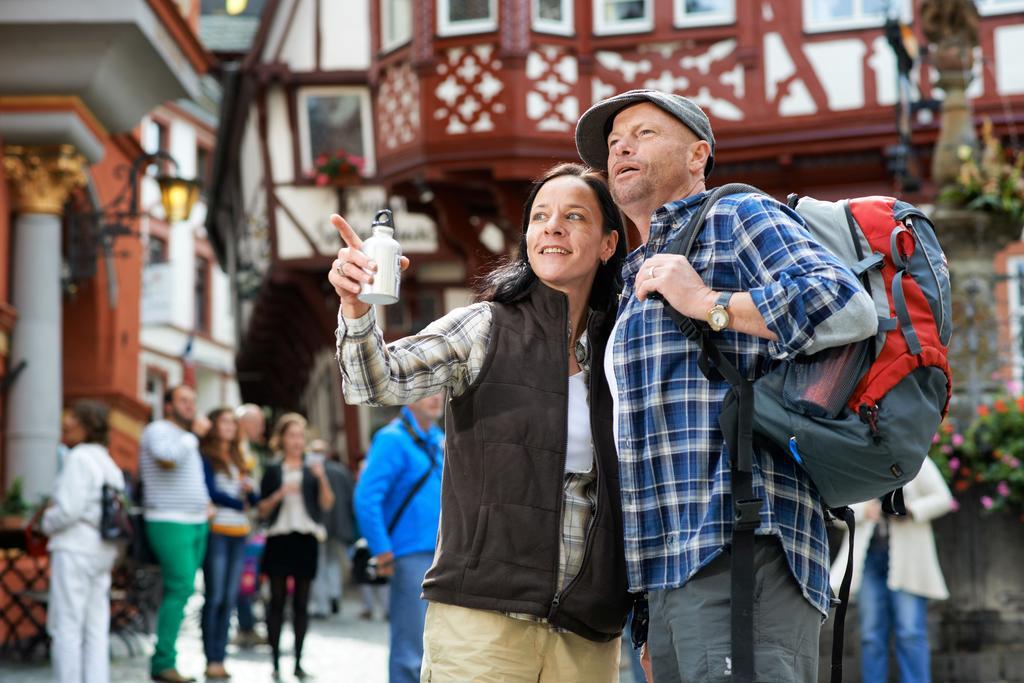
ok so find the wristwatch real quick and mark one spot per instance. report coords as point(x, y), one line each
point(718, 316)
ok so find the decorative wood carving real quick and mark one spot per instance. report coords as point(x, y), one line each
point(552, 100)
point(466, 96)
point(398, 107)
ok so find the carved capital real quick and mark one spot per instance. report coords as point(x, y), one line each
point(42, 177)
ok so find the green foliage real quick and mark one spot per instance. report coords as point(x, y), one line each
point(993, 184)
point(13, 503)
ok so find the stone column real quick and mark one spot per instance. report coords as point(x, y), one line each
point(41, 178)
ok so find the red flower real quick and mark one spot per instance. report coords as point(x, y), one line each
point(1020, 403)
point(982, 411)
point(321, 159)
point(322, 179)
point(999, 405)
point(962, 485)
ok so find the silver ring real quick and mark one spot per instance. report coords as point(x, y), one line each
point(338, 268)
point(650, 272)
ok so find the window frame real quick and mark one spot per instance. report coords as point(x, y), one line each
point(445, 27)
point(203, 323)
point(366, 118)
point(388, 43)
point(681, 19)
point(1015, 312)
point(987, 8)
point(565, 27)
point(641, 25)
point(905, 15)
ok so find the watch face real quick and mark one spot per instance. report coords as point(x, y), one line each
point(719, 319)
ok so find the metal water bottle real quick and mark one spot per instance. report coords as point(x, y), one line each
point(383, 250)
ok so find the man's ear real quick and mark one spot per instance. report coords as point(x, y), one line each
point(700, 151)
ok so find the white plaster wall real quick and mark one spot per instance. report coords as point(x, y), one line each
point(251, 164)
point(279, 137)
point(222, 319)
point(290, 242)
point(183, 147)
point(299, 43)
point(345, 41)
point(181, 253)
point(1009, 48)
point(312, 206)
point(838, 65)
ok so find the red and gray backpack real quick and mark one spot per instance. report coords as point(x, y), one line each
point(859, 418)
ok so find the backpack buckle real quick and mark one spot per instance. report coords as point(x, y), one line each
point(747, 514)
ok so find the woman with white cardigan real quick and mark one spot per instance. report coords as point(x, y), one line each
point(895, 572)
point(78, 618)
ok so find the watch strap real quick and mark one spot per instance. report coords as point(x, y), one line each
point(723, 299)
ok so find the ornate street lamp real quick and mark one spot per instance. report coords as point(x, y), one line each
point(96, 229)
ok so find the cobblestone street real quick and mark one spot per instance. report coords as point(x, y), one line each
point(338, 649)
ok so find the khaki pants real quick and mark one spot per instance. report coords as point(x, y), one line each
point(462, 645)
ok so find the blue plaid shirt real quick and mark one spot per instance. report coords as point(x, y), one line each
point(677, 513)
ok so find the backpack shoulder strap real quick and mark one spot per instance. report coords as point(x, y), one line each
point(683, 244)
point(418, 440)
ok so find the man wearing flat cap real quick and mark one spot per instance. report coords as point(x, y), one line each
point(767, 292)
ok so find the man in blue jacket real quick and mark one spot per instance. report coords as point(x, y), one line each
point(397, 505)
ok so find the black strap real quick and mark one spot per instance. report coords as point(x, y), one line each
point(736, 421)
point(846, 514)
point(425, 447)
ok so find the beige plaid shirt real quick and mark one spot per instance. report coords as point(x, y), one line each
point(447, 356)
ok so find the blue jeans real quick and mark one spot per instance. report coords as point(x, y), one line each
point(885, 613)
point(222, 572)
point(408, 612)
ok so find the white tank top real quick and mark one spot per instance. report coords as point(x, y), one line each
point(579, 454)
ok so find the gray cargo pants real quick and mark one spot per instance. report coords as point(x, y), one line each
point(689, 637)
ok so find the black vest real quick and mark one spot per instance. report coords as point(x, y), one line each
point(501, 496)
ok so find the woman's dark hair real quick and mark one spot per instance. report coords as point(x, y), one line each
point(210, 444)
point(92, 415)
point(512, 279)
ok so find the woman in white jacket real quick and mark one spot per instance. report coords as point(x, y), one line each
point(895, 572)
point(78, 618)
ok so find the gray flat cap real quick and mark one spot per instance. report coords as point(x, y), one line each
point(595, 124)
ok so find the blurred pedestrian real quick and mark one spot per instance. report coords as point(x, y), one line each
point(895, 572)
point(373, 591)
point(294, 497)
point(252, 425)
point(529, 580)
point(397, 503)
point(78, 615)
point(339, 523)
point(232, 492)
point(177, 510)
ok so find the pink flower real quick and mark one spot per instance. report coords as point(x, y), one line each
point(321, 159)
point(954, 505)
point(946, 448)
point(322, 179)
point(954, 464)
point(1012, 462)
point(1003, 489)
point(986, 502)
point(958, 439)
point(935, 439)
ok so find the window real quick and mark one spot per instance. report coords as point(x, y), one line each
point(395, 23)
point(832, 15)
point(458, 17)
point(156, 249)
point(986, 7)
point(704, 12)
point(333, 119)
point(156, 137)
point(202, 295)
point(1015, 270)
point(203, 161)
point(622, 16)
point(553, 16)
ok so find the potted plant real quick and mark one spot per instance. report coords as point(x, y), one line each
point(986, 460)
point(13, 507)
point(989, 183)
point(339, 168)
